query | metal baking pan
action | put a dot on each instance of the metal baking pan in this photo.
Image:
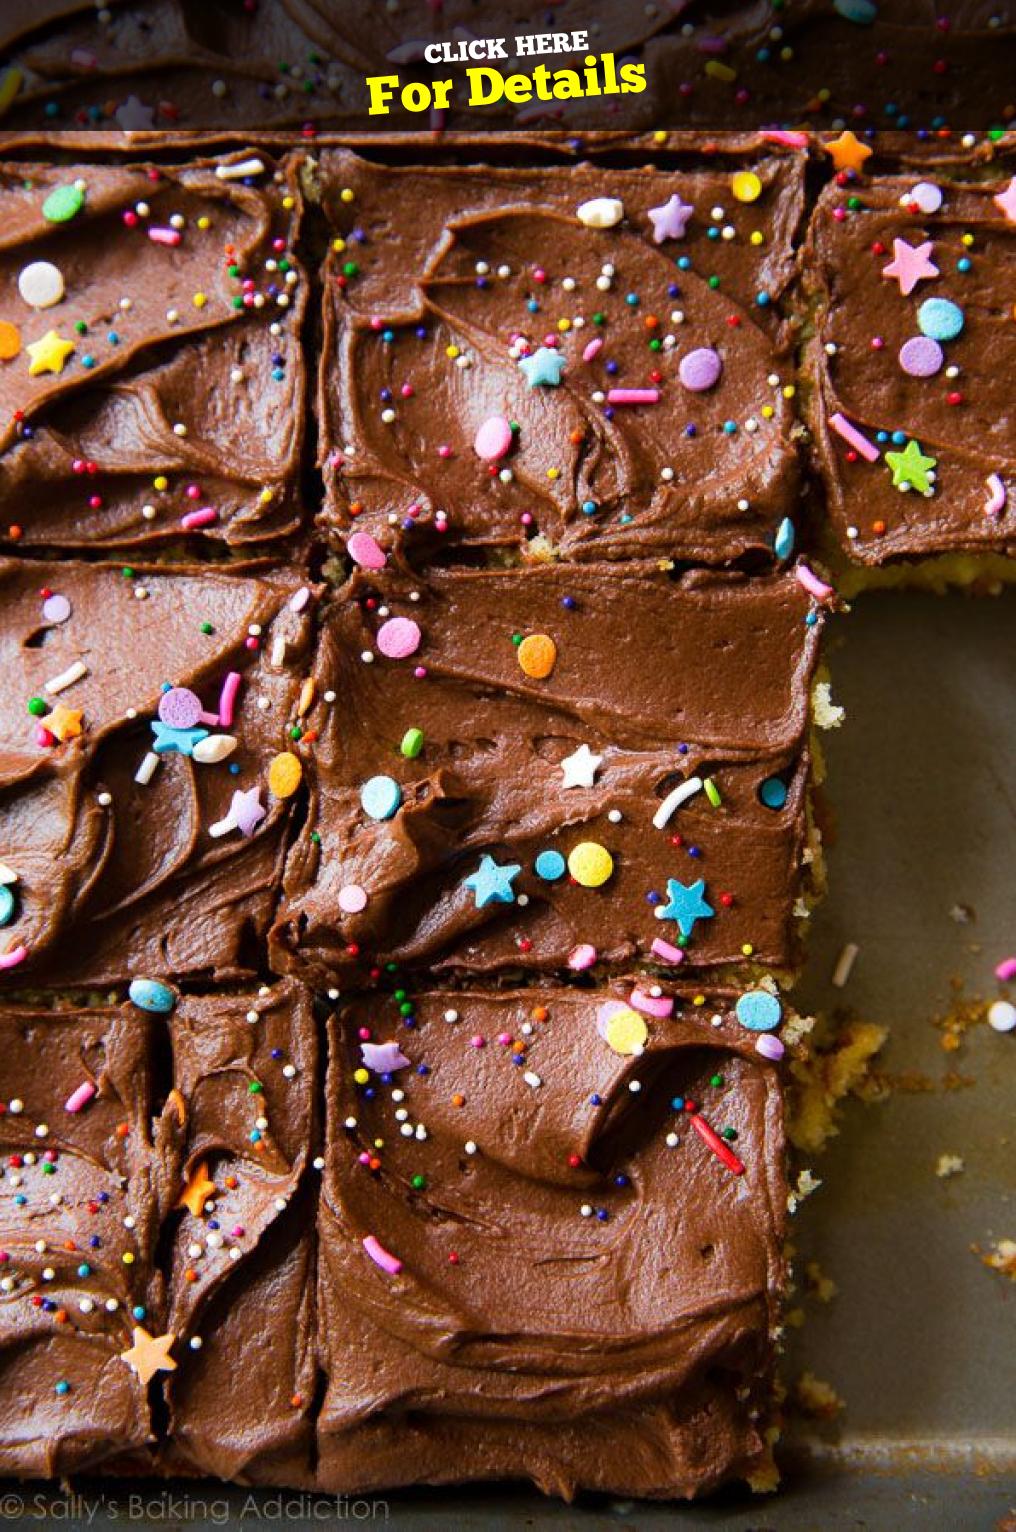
(921, 1339)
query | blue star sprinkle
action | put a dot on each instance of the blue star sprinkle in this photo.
(182, 741)
(685, 905)
(544, 366)
(492, 883)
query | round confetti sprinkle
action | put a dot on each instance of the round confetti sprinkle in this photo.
(363, 550)
(921, 356)
(41, 284)
(926, 196)
(624, 1030)
(285, 774)
(56, 609)
(150, 995)
(582, 957)
(380, 797)
(1002, 1016)
(940, 319)
(10, 340)
(493, 438)
(63, 204)
(600, 212)
(352, 899)
(180, 708)
(536, 656)
(550, 866)
(758, 1010)
(398, 638)
(746, 186)
(590, 864)
(773, 792)
(6, 904)
(769, 1047)
(700, 370)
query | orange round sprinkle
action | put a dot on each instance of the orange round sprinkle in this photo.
(60, 1316)
(190, 1275)
(537, 655)
(15, 532)
(123, 1129)
(232, 1183)
(458, 1100)
(539, 1013)
(878, 527)
(10, 340)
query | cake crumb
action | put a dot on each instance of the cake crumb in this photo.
(949, 1165)
(818, 1284)
(1001, 1257)
(827, 713)
(816, 1398)
(822, 1081)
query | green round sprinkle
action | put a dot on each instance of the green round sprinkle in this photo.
(255, 1087)
(655, 345)
(63, 204)
(418, 1183)
(516, 639)
(296, 732)
(391, 968)
(406, 1008)
(37, 707)
(233, 271)
(80, 327)
(315, 836)
(714, 283)
(412, 743)
(715, 1079)
(853, 203)
(399, 994)
(729, 1133)
(206, 627)
(599, 318)
(127, 572)
(350, 269)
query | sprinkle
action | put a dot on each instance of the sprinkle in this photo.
(213, 749)
(41, 284)
(700, 369)
(940, 319)
(384, 1058)
(769, 1047)
(758, 1010)
(285, 773)
(227, 698)
(537, 656)
(1006, 970)
(746, 186)
(1002, 1016)
(582, 957)
(600, 212)
(162, 236)
(716, 1144)
(660, 1006)
(352, 899)
(712, 792)
(380, 1256)
(672, 802)
(844, 964)
(10, 340)
(853, 437)
(56, 609)
(622, 1028)
(921, 357)
(398, 638)
(239, 169)
(809, 581)
(13, 956)
(363, 550)
(67, 678)
(146, 770)
(80, 1097)
(532, 1079)
(63, 204)
(493, 438)
(593, 348)
(590, 864)
(633, 396)
(997, 495)
(199, 518)
(151, 995)
(667, 951)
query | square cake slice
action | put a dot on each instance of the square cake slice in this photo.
(152, 385)
(82, 1189)
(909, 366)
(538, 770)
(587, 360)
(550, 1237)
(242, 1113)
(142, 821)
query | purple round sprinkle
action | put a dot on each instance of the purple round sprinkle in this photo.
(921, 356)
(770, 1047)
(56, 609)
(180, 708)
(700, 369)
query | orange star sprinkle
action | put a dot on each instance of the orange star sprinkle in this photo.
(198, 1190)
(149, 1354)
(847, 151)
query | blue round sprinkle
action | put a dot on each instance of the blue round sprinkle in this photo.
(758, 1010)
(6, 904)
(940, 319)
(150, 995)
(550, 866)
(380, 797)
(773, 792)
(964, 263)
(589, 507)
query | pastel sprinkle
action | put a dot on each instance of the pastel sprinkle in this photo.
(80, 1098)
(853, 437)
(352, 899)
(398, 638)
(381, 1257)
(493, 438)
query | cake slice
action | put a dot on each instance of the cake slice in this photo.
(152, 387)
(908, 363)
(537, 771)
(84, 1183)
(242, 1114)
(550, 1237)
(142, 819)
(581, 360)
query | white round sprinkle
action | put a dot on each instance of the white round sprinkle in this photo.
(41, 284)
(1002, 1016)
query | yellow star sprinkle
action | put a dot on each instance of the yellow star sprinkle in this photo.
(198, 1190)
(847, 151)
(64, 722)
(149, 1354)
(48, 354)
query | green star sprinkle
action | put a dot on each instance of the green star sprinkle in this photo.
(911, 469)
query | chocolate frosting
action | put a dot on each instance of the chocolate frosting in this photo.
(81, 1197)
(626, 1348)
(115, 876)
(179, 412)
(963, 424)
(423, 319)
(662, 680)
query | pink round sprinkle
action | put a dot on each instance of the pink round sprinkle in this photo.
(352, 899)
(363, 550)
(493, 438)
(921, 356)
(398, 638)
(180, 708)
(582, 956)
(769, 1046)
(1006, 969)
(477, 1041)
(700, 370)
(56, 609)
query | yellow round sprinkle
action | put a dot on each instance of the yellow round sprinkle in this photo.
(967, 239)
(789, 390)
(537, 655)
(747, 949)
(660, 136)
(204, 222)
(767, 412)
(266, 496)
(346, 194)
(563, 325)
(452, 352)
(199, 300)
(128, 1258)
(288, 203)
(746, 186)
(626, 1031)
(590, 864)
(285, 774)
(757, 237)
(699, 1000)
(553, 473)
(160, 481)
(338, 245)
(361, 1076)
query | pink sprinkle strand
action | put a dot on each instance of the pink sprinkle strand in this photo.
(202, 518)
(997, 495)
(594, 347)
(667, 951)
(227, 698)
(380, 1256)
(786, 137)
(633, 396)
(651, 1005)
(854, 438)
(160, 236)
(80, 1097)
(809, 580)
(15, 956)
(1005, 971)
